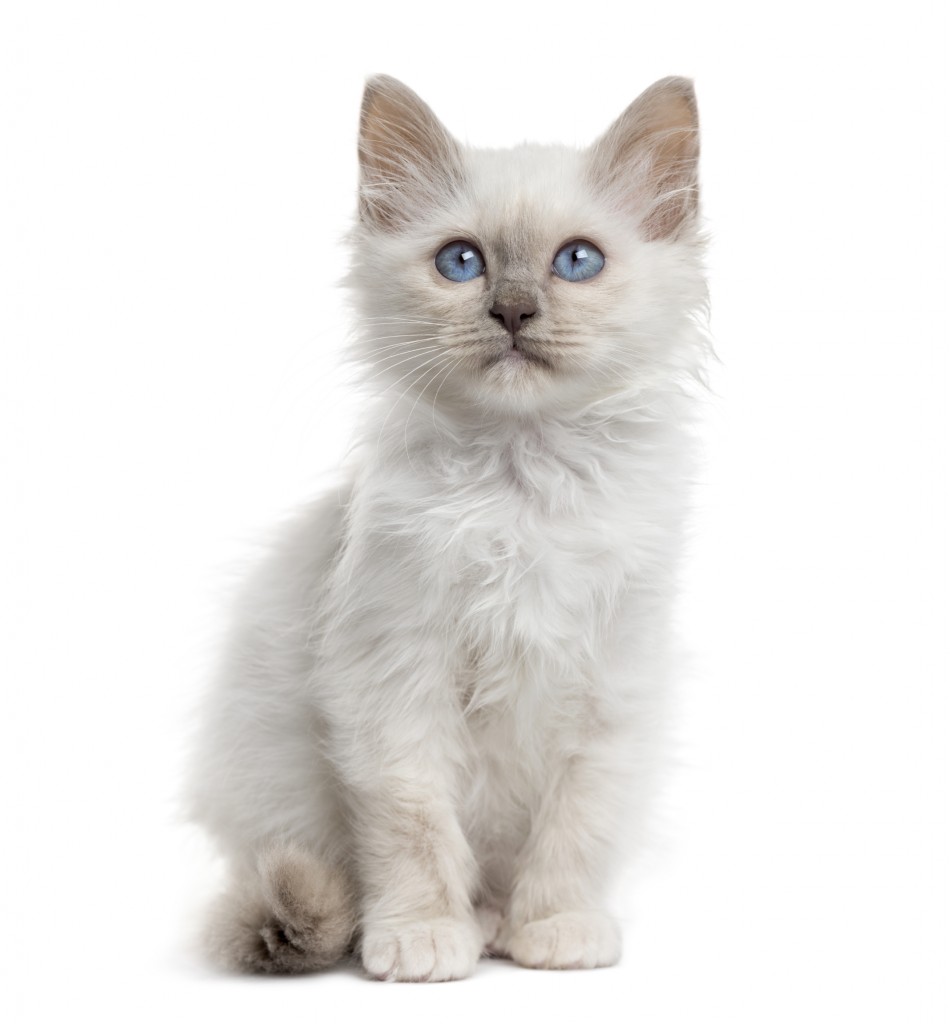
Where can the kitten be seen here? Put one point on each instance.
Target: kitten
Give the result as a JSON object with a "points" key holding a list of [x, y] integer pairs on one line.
{"points": [[439, 718]]}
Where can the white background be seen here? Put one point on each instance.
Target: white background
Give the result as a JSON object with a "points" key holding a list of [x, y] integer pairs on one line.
{"points": [[175, 181]]}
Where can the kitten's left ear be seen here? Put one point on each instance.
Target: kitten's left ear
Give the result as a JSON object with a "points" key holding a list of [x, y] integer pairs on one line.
{"points": [[649, 157], [407, 158]]}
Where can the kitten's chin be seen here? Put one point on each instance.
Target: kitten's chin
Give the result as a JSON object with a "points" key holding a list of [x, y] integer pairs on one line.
{"points": [[516, 380]]}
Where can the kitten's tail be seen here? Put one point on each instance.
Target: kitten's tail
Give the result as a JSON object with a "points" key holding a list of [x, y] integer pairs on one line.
{"points": [[291, 915]]}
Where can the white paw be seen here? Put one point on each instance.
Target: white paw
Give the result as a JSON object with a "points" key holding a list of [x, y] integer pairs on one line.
{"points": [[439, 949], [568, 940]]}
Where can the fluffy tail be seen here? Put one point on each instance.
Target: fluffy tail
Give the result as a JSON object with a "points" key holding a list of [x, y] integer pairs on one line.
{"points": [[292, 915]]}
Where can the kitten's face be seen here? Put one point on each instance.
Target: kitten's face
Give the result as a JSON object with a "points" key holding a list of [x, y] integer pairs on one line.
{"points": [[526, 278]]}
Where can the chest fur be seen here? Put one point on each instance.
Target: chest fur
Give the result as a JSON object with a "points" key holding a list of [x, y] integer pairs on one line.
{"points": [[534, 552]]}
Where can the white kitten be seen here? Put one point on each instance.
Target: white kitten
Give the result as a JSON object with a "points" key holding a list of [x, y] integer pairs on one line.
{"points": [[438, 719]]}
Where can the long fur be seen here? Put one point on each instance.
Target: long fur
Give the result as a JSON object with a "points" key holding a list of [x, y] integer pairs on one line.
{"points": [[439, 720]]}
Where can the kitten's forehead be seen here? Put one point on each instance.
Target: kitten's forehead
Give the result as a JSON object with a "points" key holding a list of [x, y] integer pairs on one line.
{"points": [[524, 197]]}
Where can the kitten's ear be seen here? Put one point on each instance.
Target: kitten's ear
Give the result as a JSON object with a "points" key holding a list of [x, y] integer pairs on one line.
{"points": [[649, 157], [407, 158]]}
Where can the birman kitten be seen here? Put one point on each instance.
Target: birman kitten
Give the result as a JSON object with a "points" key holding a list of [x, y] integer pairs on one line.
{"points": [[439, 717]]}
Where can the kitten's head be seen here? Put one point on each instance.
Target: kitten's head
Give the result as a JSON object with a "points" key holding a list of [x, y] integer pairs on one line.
{"points": [[521, 279]]}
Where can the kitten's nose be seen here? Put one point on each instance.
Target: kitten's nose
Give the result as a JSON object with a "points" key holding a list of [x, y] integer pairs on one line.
{"points": [[513, 315]]}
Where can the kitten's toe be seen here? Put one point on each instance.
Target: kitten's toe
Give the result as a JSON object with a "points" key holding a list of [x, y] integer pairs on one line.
{"points": [[574, 939], [439, 949]]}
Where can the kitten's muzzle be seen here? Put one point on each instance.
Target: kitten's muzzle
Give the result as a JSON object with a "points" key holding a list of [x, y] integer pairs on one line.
{"points": [[513, 315]]}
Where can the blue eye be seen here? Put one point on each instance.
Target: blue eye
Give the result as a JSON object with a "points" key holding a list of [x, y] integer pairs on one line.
{"points": [[459, 261], [578, 261]]}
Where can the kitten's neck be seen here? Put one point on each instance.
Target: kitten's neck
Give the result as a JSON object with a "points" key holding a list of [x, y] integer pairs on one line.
{"points": [[406, 426]]}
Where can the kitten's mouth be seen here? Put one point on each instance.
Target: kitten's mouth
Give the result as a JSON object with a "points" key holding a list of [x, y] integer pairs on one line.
{"points": [[517, 352]]}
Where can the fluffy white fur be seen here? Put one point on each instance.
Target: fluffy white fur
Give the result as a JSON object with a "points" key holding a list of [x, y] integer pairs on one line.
{"points": [[439, 718]]}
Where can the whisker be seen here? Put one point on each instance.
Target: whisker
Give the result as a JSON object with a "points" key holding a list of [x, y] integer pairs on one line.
{"points": [[405, 435], [410, 372], [398, 350], [382, 429], [392, 366], [452, 369], [404, 321], [410, 339]]}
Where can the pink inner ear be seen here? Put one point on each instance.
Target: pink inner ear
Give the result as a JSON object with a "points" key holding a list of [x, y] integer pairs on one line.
{"points": [[649, 157], [404, 150]]}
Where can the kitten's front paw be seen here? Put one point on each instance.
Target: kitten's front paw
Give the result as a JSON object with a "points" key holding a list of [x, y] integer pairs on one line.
{"points": [[569, 940], [439, 949]]}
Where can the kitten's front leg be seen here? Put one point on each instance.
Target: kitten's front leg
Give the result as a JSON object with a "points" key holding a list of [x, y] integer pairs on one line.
{"points": [[396, 753], [554, 918], [594, 806], [417, 871]]}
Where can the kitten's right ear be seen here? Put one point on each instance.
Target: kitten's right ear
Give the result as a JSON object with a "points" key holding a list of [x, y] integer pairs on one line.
{"points": [[407, 158]]}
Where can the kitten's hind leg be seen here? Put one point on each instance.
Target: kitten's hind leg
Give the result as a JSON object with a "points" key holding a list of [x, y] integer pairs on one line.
{"points": [[292, 915]]}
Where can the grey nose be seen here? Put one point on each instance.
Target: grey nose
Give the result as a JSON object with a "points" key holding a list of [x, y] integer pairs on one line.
{"points": [[513, 315]]}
